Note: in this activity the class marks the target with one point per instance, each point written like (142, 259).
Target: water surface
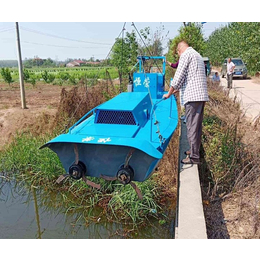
(32, 213)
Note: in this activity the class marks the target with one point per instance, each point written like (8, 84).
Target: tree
(6, 74)
(64, 76)
(29, 77)
(237, 39)
(48, 63)
(124, 53)
(47, 77)
(33, 80)
(192, 34)
(153, 41)
(26, 75)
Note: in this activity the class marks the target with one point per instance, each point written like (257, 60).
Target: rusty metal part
(137, 190)
(76, 151)
(108, 178)
(62, 178)
(128, 157)
(91, 183)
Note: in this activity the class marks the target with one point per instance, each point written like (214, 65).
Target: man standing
(230, 69)
(191, 80)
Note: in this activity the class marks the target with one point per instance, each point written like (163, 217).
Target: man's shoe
(189, 160)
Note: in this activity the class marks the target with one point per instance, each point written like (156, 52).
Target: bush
(227, 160)
(48, 77)
(6, 74)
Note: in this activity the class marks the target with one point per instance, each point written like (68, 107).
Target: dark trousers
(229, 80)
(194, 116)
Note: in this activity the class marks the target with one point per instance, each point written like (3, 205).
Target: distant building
(75, 63)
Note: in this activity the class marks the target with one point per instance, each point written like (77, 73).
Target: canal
(31, 212)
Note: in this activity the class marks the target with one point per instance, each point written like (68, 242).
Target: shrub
(6, 74)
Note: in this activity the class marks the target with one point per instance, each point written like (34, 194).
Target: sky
(83, 29)
(62, 40)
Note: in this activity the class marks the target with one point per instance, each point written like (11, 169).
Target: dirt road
(247, 92)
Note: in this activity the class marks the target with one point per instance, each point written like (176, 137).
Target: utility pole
(20, 66)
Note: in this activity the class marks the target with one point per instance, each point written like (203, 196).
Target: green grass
(41, 168)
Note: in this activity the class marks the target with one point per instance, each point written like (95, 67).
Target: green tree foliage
(6, 75)
(64, 76)
(193, 35)
(124, 53)
(37, 62)
(29, 77)
(26, 75)
(238, 39)
(49, 63)
(72, 80)
(45, 76)
(33, 80)
(48, 77)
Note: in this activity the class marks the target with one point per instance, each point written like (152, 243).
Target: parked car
(239, 71)
(206, 60)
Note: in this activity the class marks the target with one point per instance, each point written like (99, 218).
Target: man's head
(182, 46)
(216, 73)
(229, 60)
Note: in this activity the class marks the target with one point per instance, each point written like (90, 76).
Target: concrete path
(190, 220)
(248, 94)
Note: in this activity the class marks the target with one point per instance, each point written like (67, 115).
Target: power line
(60, 37)
(7, 29)
(60, 46)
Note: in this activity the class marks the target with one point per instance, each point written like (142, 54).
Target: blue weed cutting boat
(123, 138)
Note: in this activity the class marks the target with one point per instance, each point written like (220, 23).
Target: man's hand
(166, 96)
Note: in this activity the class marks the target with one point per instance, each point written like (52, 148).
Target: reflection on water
(26, 213)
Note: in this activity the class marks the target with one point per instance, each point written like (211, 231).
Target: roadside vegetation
(230, 168)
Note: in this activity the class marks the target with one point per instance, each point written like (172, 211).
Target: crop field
(60, 76)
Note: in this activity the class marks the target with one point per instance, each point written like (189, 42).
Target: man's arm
(233, 67)
(179, 77)
(170, 92)
(173, 65)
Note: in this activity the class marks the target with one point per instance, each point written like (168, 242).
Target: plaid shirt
(190, 77)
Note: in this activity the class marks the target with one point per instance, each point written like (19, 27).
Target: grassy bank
(230, 165)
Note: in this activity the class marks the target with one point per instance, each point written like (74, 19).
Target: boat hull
(105, 159)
